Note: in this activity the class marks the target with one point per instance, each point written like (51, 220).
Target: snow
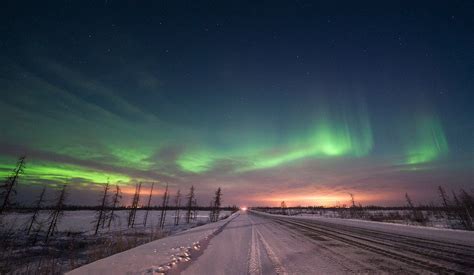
(251, 243)
(83, 220)
(156, 256)
(440, 234)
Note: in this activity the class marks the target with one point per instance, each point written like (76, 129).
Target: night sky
(302, 101)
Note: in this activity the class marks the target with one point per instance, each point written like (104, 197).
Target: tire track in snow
(255, 266)
(367, 241)
(277, 265)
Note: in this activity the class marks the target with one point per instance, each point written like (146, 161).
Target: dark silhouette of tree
(115, 202)
(102, 211)
(195, 210)
(417, 214)
(135, 201)
(56, 213)
(10, 184)
(216, 204)
(177, 203)
(36, 211)
(148, 205)
(352, 200)
(283, 208)
(462, 212)
(190, 204)
(164, 207)
(444, 197)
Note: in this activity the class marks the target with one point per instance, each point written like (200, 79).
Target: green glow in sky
(195, 162)
(136, 157)
(328, 135)
(429, 141)
(61, 173)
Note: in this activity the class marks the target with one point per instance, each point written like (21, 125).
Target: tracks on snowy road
(255, 243)
(425, 254)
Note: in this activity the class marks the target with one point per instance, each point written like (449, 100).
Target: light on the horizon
(243, 208)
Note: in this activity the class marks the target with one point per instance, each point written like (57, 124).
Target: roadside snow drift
(157, 256)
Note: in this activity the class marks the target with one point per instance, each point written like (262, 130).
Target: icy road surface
(257, 243)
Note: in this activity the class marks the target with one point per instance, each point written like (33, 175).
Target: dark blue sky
(307, 99)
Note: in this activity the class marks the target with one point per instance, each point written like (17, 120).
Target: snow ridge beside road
(163, 255)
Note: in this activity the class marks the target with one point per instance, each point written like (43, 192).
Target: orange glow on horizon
(130, 190)
(329, 200)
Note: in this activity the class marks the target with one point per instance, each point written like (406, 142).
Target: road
(253, 243)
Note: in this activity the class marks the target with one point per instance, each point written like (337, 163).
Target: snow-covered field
(75, 243)
(83, 220)
(436, 219)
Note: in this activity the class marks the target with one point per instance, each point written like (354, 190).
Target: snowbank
(156, 256)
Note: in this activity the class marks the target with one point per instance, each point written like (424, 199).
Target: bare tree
(115, 202)
(10, 184)
(444, 197)
(148, 205)
(56, 213)
(283, 208)
(36, 211)
(164, 207)
(195, 209)
(177, 203)
(417, 215)
(216, 204)
(352, 200)
(190, 204)
(101, 212)
(135, 201)
(462, 213)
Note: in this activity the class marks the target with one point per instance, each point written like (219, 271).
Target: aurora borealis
(297, 101)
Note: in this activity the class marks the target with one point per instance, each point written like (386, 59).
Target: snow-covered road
(265, 244)
(258, 243)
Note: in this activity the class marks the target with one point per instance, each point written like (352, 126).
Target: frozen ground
(258, 243)
(437, 218)
(74, 244)
(83, 220)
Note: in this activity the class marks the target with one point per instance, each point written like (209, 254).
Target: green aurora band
(428, 143)
(61, 173)
(133, 139)
(330, 135)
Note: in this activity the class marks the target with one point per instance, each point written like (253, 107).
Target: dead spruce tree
(462, 206)
(101, 213)
(115, 203)
(56, 213)
(190, 205)
(133, 211)
(195, 209)
(34, 218)
(177, 204)
(417, 214)
(283, 208)
(8, 188)
(164, 207)
(468, 203)
(148, 205)
(216, 204)
(447, 205)
(355, 211)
